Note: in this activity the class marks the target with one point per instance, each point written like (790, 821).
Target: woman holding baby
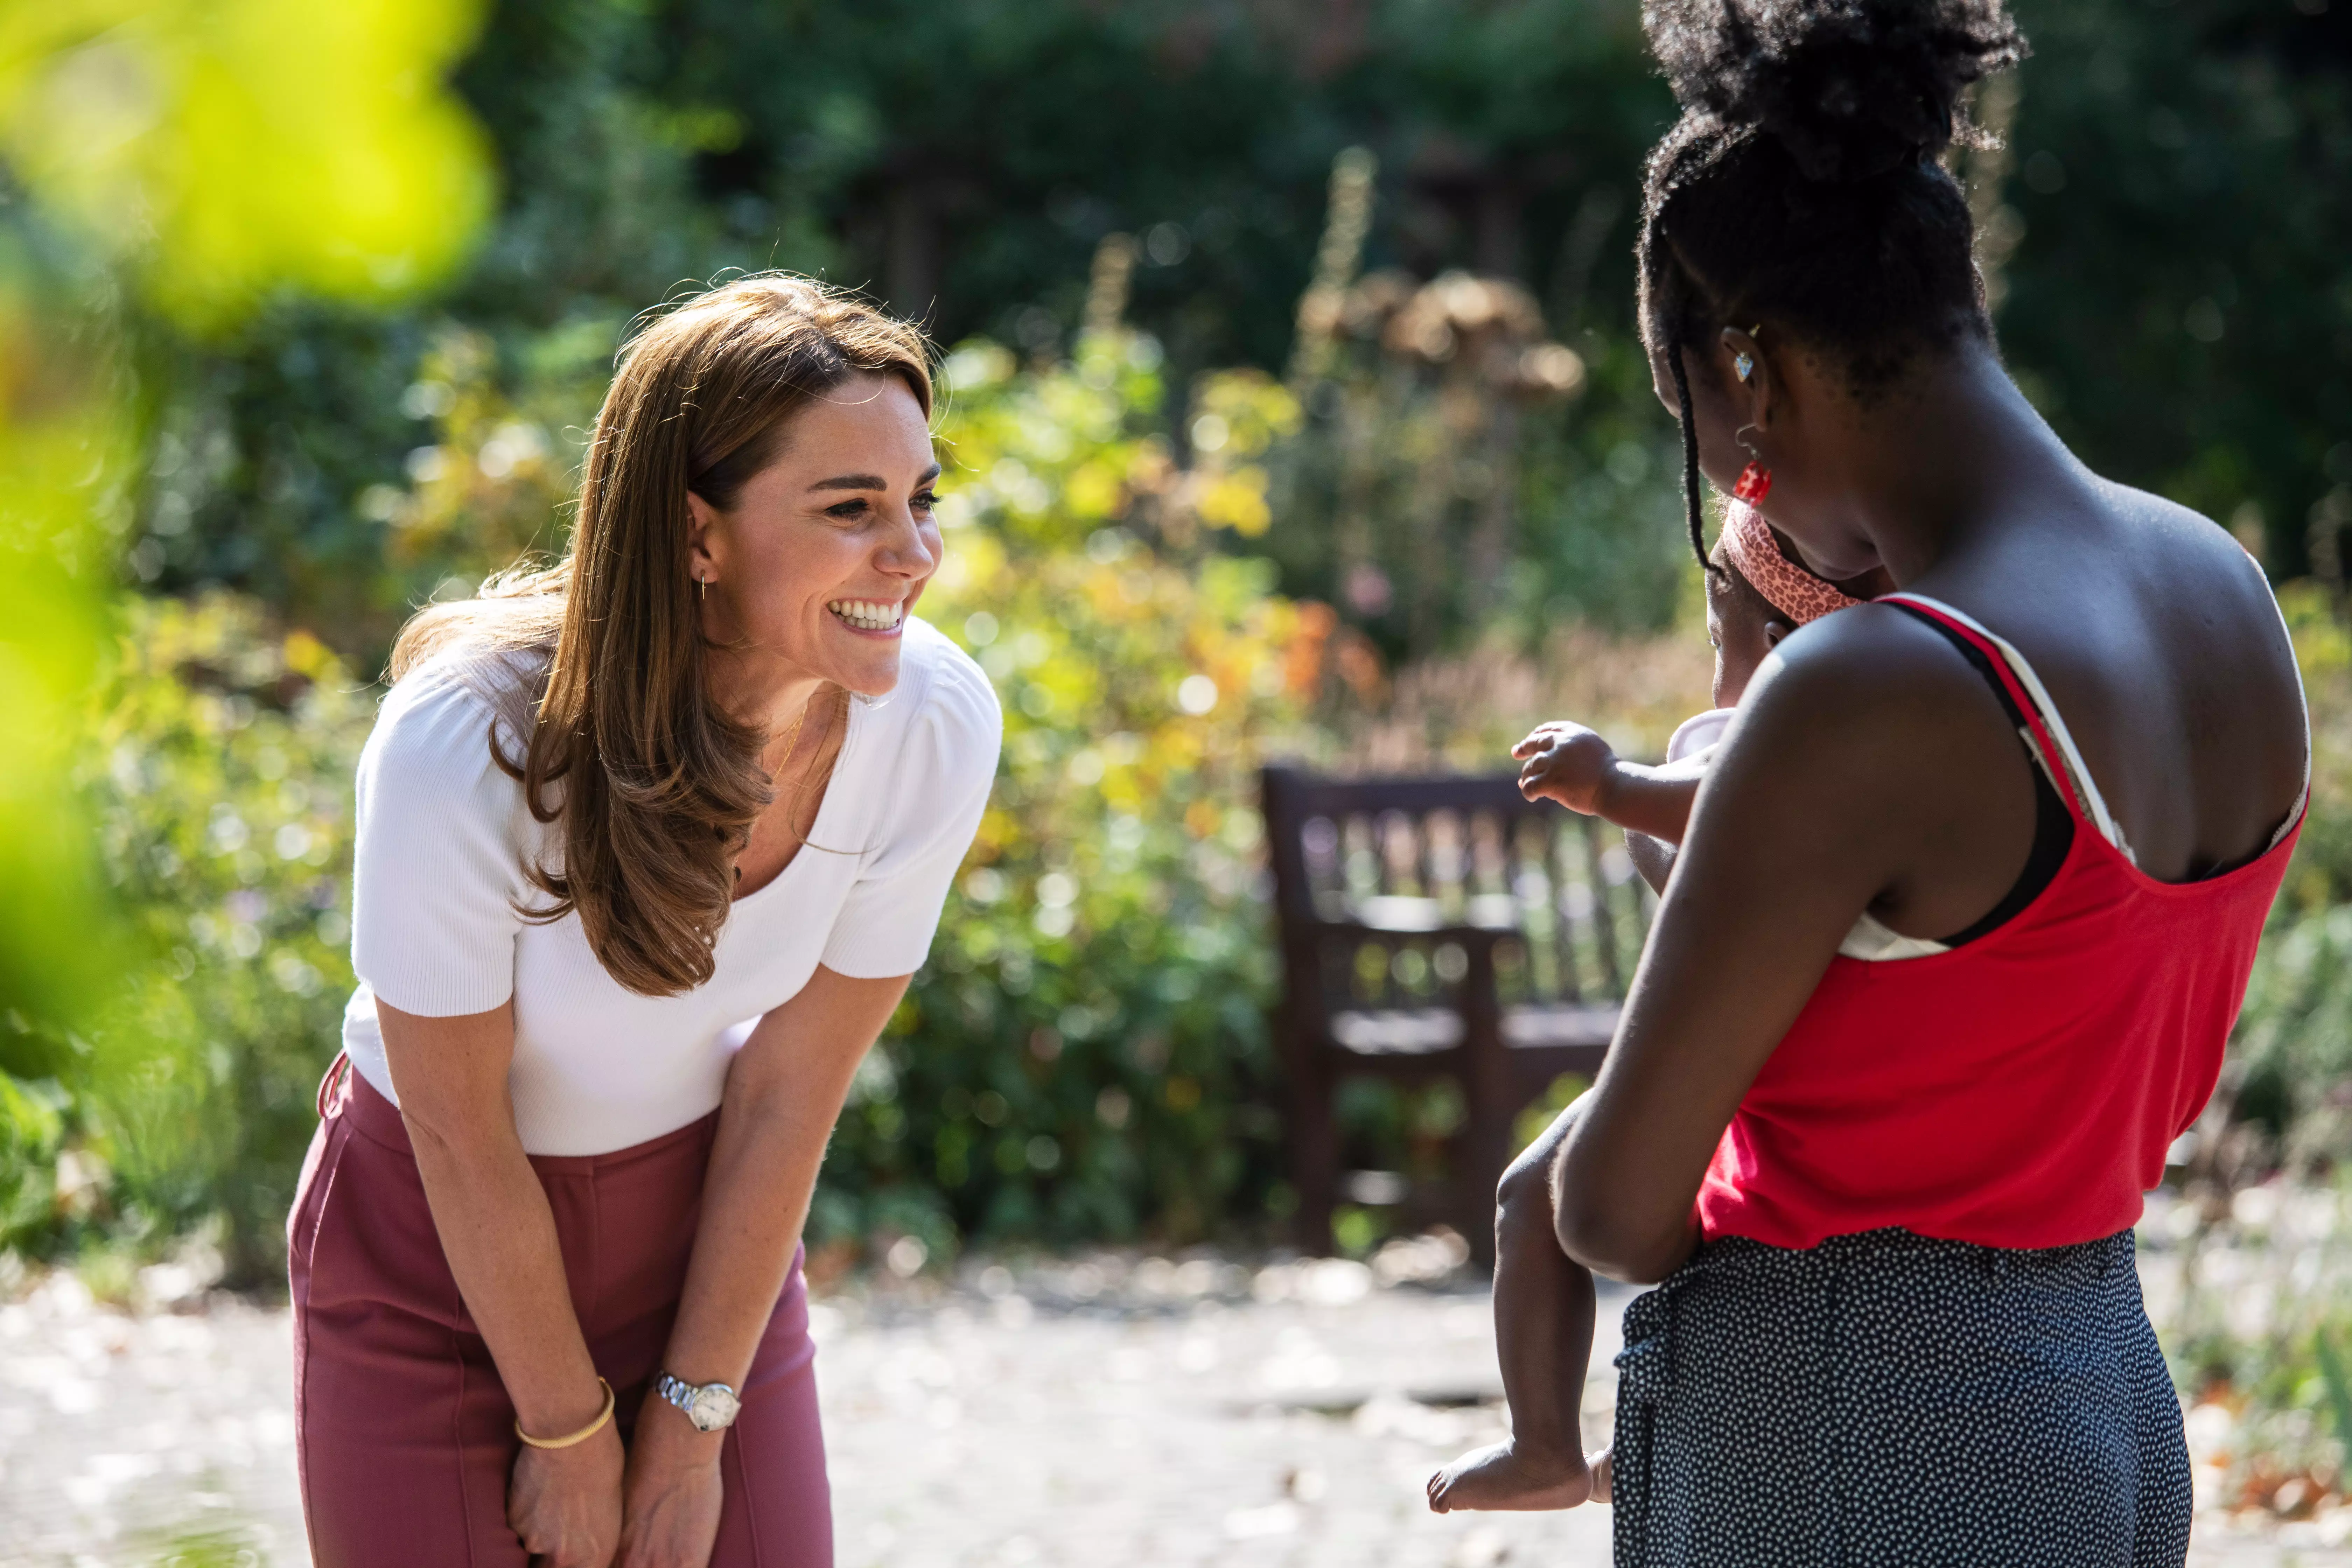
(1964, 894)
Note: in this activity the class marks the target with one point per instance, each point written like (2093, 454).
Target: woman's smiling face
(827, 548)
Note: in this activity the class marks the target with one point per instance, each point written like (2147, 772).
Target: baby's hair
(1800, 188)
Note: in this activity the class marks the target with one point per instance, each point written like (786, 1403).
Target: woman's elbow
(453, 1137)
(1606, 1232)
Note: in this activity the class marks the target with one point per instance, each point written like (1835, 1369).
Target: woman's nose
(905, 551)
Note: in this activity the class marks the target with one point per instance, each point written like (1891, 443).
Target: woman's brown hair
(659, 786)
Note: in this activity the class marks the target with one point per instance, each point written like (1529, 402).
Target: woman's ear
(701, 538)
(1775, 628)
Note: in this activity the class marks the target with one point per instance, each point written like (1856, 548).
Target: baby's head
(1742, 624)
(1756, 596)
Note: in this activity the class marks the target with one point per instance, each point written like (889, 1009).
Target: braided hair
(1801, 185)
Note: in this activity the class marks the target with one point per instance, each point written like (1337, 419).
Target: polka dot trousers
(1885, 1399)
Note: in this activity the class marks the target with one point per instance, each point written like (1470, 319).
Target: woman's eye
(848, 510)
(926, 500)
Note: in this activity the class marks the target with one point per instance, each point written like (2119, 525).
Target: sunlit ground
(1109, 1408)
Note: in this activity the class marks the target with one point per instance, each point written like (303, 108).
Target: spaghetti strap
(2046, 711)
(2040, 709)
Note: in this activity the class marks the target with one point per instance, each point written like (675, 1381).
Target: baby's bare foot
(1507, 1477)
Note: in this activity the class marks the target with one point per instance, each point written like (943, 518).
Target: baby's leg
(1543, 1336)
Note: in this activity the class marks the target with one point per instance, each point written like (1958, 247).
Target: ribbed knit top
(444, 835)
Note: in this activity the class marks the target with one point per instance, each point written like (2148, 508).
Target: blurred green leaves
(213, 763)
(221, 150)
(64, 443)
(220, 775)
(170, 165)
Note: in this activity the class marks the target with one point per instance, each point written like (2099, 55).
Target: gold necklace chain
(799, 785)
(794, 739)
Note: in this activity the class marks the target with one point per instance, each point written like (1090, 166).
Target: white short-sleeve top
(438, 884)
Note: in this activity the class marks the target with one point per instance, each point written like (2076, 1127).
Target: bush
(2292, 1070)
(221, 777)
(1087, 1056)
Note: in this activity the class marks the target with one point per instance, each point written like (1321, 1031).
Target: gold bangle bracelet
(580, 1437)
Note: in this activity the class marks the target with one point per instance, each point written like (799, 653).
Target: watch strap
(687, 1395)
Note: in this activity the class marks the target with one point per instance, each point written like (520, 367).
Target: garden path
(1071, 1412)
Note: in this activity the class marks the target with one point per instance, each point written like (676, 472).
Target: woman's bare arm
(498, 1235)
(1872, 767)
(784, 1092)
(491, 1213)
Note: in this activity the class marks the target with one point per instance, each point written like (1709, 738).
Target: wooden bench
(1440, 928)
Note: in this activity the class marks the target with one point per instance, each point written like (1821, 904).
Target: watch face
(714, 1406)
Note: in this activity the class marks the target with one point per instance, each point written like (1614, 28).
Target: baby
(1543, 1298)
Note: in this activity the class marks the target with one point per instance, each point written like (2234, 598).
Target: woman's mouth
(869, 615)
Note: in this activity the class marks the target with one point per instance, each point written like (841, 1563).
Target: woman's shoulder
(946, 695)
(941, 730)
(436, 723)
(1871, 697)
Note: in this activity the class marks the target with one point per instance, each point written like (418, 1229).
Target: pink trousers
(405, 1434)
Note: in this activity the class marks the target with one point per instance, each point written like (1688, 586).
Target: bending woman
(648, 847)
(1891, 1202)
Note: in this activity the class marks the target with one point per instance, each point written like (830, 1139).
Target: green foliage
(2177, 300)
(32, 1136)
(2250, 1300)
(1537, 1119)
(164, 161)
(1450, 486)
(221, 780)
(968, 181)
(221, 150)
(1085, 1056)
(65, 440)
(2163, 225)
(2293, 1049)
(2340, 1386)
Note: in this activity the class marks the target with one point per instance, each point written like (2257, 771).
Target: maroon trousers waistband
(405, 1434)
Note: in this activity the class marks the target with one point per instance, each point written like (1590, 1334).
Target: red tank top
(2019, 1090)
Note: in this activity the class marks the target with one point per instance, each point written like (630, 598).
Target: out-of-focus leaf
(238, 147)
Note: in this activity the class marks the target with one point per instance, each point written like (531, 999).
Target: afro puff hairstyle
(1802, 187)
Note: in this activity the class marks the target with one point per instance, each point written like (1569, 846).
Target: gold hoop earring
(705, 583)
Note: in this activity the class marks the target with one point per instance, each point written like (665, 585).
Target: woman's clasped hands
(673, 1492)
(565, 1504)
(594, 1505)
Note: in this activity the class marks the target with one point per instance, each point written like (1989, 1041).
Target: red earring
(1755, 484)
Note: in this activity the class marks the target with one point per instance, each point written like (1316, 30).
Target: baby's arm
(1575, 767)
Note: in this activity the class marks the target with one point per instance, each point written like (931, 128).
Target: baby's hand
(1566, 762)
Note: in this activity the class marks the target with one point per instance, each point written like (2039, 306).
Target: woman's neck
(1946, 460)
(753, 687)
